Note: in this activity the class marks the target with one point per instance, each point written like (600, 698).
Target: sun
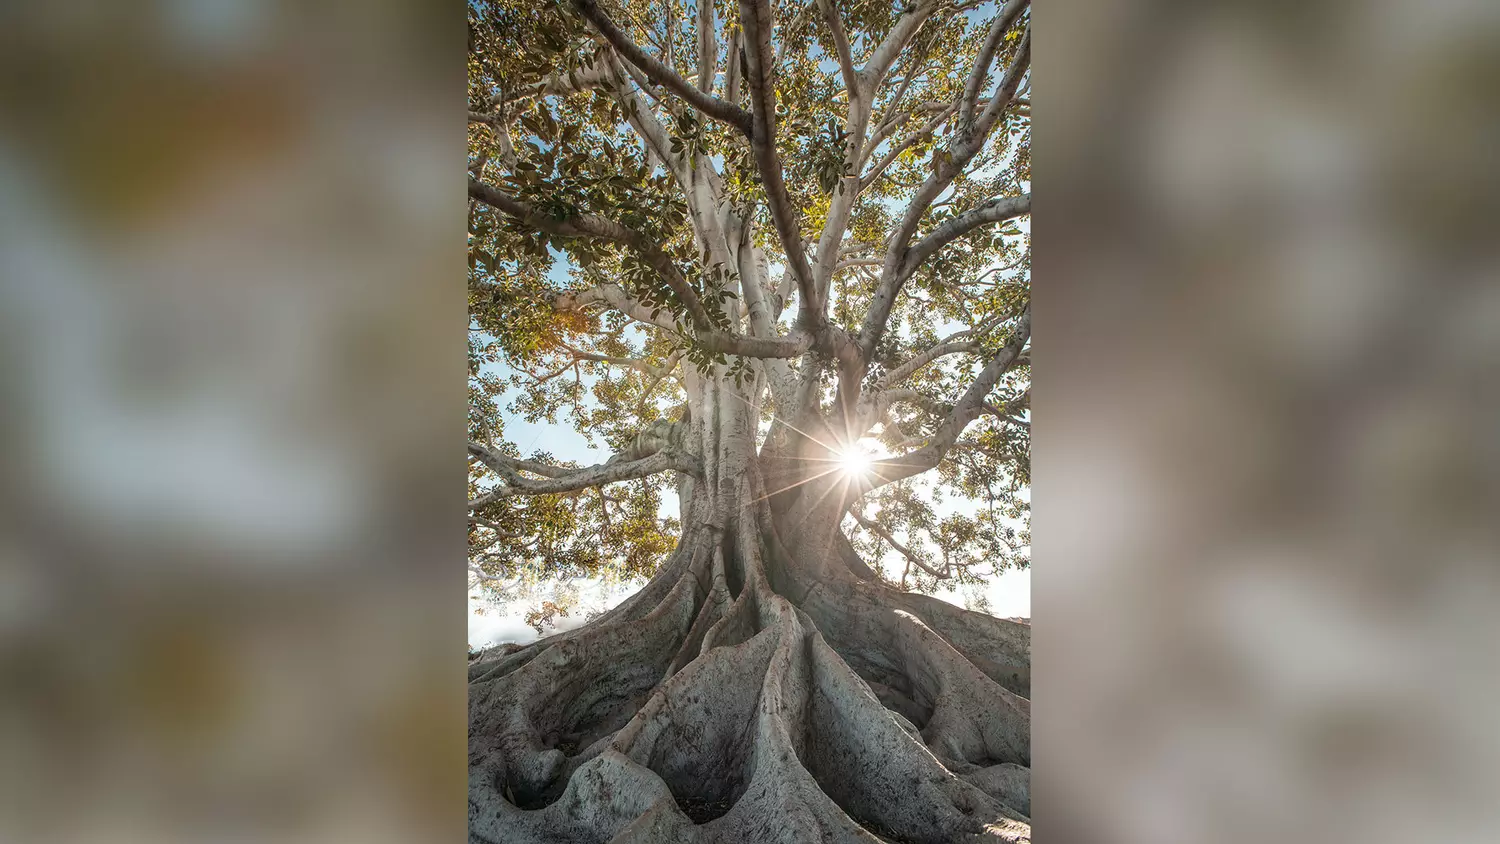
(854, 461)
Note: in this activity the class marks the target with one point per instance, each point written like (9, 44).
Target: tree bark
(761, 687)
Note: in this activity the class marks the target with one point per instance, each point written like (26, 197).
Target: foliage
(587, 331)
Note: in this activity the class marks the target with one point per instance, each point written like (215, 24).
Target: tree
(768, 254)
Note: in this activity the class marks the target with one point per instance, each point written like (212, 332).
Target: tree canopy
(824, 201)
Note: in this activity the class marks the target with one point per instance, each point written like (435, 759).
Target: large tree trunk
(757, 689)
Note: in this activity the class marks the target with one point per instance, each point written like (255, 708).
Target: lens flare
(854, 461)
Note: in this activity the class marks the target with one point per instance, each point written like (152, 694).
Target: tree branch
(892, 110)
(640, 117)
(969, 406)
(1003, 97)
(557, 480)
(1007, 16)
(632, 363)
(714, 341)
(757, 347)
(493, 526)
(488, 578)
(841, 47)
(903, 145)
(574, 81)
(612, 296)
(994, 211)
(906, 552)
(696, 178)
(804, 10)
(593, 225)
(947, 165)
(732, 68)
(660, 73)
(708, 47)
(948, 347)
(755, 20)
(880, 60)
(663, 371)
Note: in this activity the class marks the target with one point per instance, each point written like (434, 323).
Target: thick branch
(574, 480)
(995, 211)
(732, 68)
(755, 17)
(613, 296)
(574, 81)
(908, 369)
(969, 406)
(510, 467)
(593, 225)
(841, 47)
(757, 347)
(981, 69)
(880, 60)
(1006, 93)
(660, 73)
(638, 113)
(856, 122)
(708, 47)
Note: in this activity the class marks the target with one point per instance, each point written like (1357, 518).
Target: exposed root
(999, 647)
(723, 715)
(492, 667)
(737, 624)
(973, 719)
(604, 796)
(1009, 783)
(709, 616)
(871, 767)
(575, 692)
(962, 715)
(696, 732)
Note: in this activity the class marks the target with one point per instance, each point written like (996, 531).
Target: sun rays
(851, 463)
(854, 461)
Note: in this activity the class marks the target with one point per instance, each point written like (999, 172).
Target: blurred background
(1267, 443)
(231, 318)
(1266, 453)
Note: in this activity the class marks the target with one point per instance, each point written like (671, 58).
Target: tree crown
(819, 202)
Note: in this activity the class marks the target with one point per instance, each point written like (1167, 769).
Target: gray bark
(759, 688)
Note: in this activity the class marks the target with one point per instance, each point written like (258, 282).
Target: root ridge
(729, 713)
